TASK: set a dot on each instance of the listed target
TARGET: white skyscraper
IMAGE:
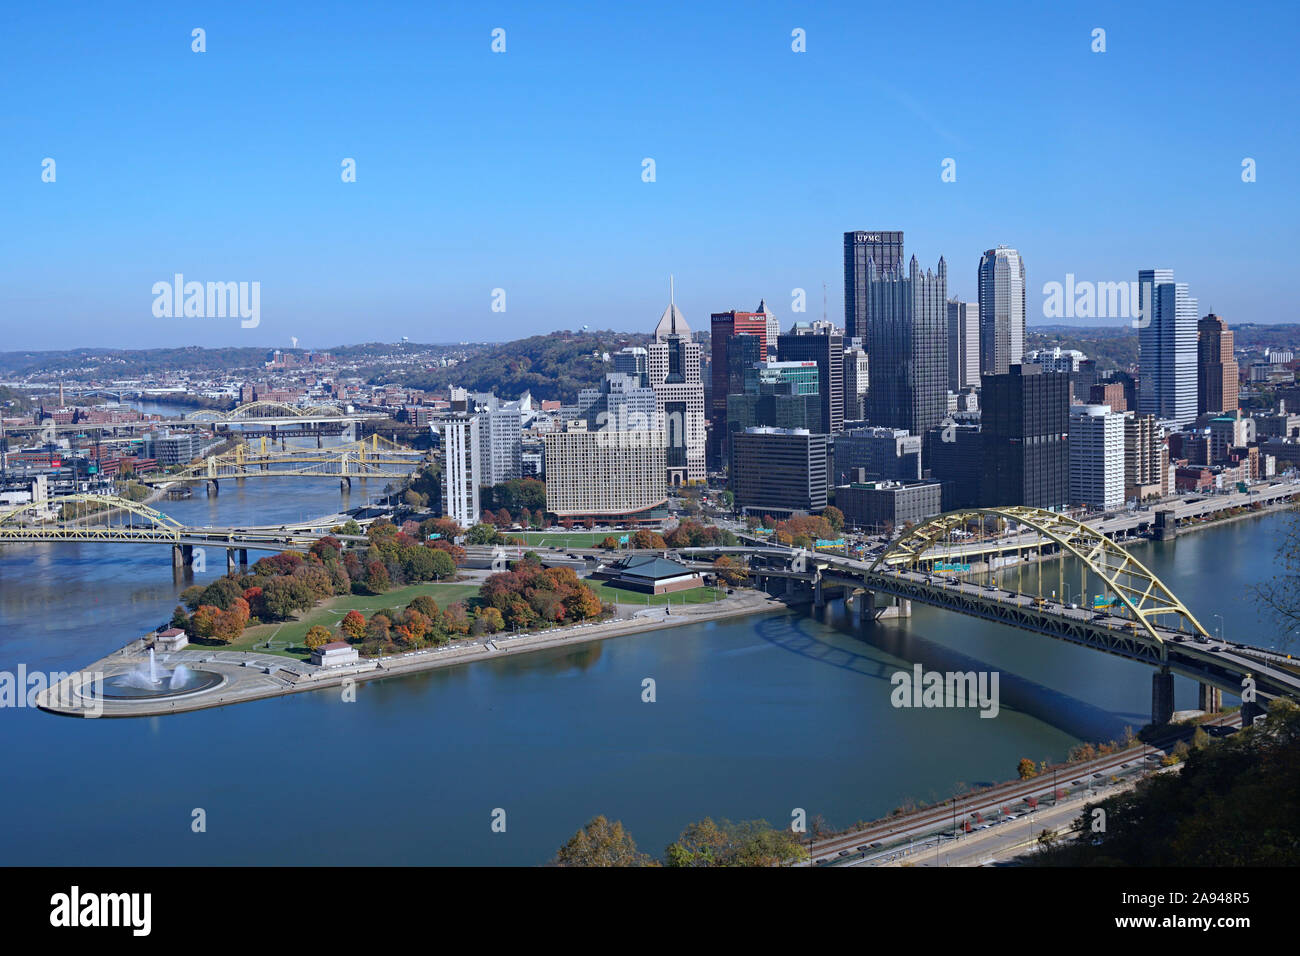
(460, 467)
(1001, 310)
(1166, 347)
(500, 442)
(773, 328)
(1096, 457)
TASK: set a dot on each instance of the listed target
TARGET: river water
(753, 717)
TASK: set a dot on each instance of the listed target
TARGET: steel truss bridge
(1139, 618)
(108, 519)
(374, 457)
(260, 414)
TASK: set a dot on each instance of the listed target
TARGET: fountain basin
(130, 687)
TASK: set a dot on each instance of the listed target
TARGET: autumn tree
(317, 636)
(353, 625)
(729, 571)
(601, 843)
(377, 580)
(1027, 768)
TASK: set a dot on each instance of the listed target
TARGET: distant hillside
(126, 363)
(1111, 347)
(553, 366)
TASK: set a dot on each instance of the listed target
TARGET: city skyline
(492, 195)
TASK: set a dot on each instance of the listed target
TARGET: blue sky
(522, 170)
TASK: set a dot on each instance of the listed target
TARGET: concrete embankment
(247, 676)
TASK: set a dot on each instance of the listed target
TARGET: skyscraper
(778, 471)
(826, 348)
(857, 369)
(674, 374)
(461, 462)
(963, 345)
(1166, 347)
(773, 327)
(722, 326)
(1002, 310)
(883, 248)
(1216, 369)
(1025, 420)
(1096, 457)
(907, 344)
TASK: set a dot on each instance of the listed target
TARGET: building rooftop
(648, 566)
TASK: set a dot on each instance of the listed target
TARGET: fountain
(152, 681)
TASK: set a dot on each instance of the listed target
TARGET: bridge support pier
(182, 555)
(345, 484)
(819, 601)
(213, 487)
(869, 610)
(230, 561)
(789, 589)
(1162, 697)
(1210, 699)
(243, 557)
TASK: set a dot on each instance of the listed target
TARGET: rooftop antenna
(671, 292)
(823, 300)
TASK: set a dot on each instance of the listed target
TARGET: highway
(883, 841)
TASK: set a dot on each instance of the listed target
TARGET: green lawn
(624, 596)
(564, 539)
(286, 637)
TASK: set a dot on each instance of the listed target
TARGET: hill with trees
(553, 366)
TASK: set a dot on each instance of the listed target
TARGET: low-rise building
(335, 654)
(650, 575)
(885, 505)
(172, 639)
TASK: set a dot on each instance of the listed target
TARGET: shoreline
(248, 676)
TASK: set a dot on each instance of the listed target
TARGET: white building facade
(1096, 457)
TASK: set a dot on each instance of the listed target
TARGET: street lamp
(1220, 630)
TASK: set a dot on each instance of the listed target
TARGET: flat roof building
(778, 471)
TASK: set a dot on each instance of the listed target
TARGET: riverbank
(247, 676)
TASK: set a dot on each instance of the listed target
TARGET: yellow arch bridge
(1121, 607)
(109, 519)
(373, 457)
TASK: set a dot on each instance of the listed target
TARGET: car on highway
(844, 853)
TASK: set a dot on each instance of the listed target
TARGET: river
(753, 718)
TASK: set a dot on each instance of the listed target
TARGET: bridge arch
(265, 409)
(107, 504)
(1144, 594)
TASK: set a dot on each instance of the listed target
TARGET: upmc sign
(867, 237)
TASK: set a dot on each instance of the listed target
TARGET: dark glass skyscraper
(886, 250)
(1025, 420)
(827, 350)
(907, 342)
